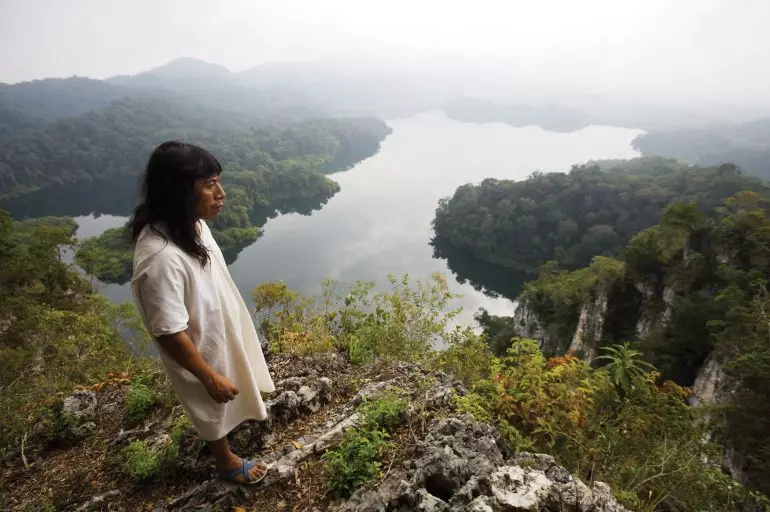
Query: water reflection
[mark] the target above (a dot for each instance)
(113, 196)
(260, 214)
(492, 280)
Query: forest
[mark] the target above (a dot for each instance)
(746, 145)
(115, 140)
(594, 209)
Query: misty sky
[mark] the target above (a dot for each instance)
(675, 48)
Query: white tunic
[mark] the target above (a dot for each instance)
(173, 293)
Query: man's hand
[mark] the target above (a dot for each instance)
(220, 388)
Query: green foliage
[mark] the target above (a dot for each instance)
(116, 139)
(402, 324)
(645, 443)
(54, 334)
(140, 400)
(466, 357)
(570, 218)
(700, 285)
(108, 257)
(557, 296)
(626, 367)
(355, 462)
(141, 462)
(386, 413)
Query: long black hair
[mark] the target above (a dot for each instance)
(167, 206)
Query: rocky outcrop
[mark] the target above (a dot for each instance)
(713, 387)
(464, 466)
(710, 384)
(590, 327)
(283, 462)
(528, 325)
(79, 412)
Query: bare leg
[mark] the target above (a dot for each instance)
(226, 460)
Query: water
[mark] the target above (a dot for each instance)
(380, 222)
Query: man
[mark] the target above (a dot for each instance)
(191, 306)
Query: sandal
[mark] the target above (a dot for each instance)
(244, 471)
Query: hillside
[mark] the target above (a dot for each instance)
(53, 98)
(548, 117)
(116, 140)
(570, 217)
(690, 294)
(746, 145)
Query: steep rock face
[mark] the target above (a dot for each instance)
(710, 384)
(528, 325)
(713, 387)
(464, 466)
(590, 327)
(650, 314)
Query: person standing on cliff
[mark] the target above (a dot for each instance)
(191, 306)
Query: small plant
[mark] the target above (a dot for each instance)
(140, 400)
(181, 427)
(358, 352)
(355, 462)
(140, 461)
(387, 413)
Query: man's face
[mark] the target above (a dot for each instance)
(209, 197)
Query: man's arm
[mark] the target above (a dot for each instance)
(181, 348)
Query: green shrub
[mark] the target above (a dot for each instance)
(387, 413)
(355, 462)
(140, 461)
(642, 438)
(466, 357)
(140, 400)
(359, 353)
(403, 324)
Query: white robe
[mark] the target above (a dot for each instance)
(173, 293)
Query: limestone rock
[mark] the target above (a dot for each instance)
(465, 466)
(79, 411)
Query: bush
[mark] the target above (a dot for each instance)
(140, 401)
(467, 356)
(387, 413)
(141, 462)
(403, 324)
(355, 462)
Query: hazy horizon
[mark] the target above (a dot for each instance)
(689, 52)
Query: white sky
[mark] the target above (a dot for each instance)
(658, 48)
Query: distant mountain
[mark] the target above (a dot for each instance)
(746, 145)
(214, 86)
(548, 117)
(54, 98)
(179, 73)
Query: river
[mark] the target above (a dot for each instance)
(380, 222)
